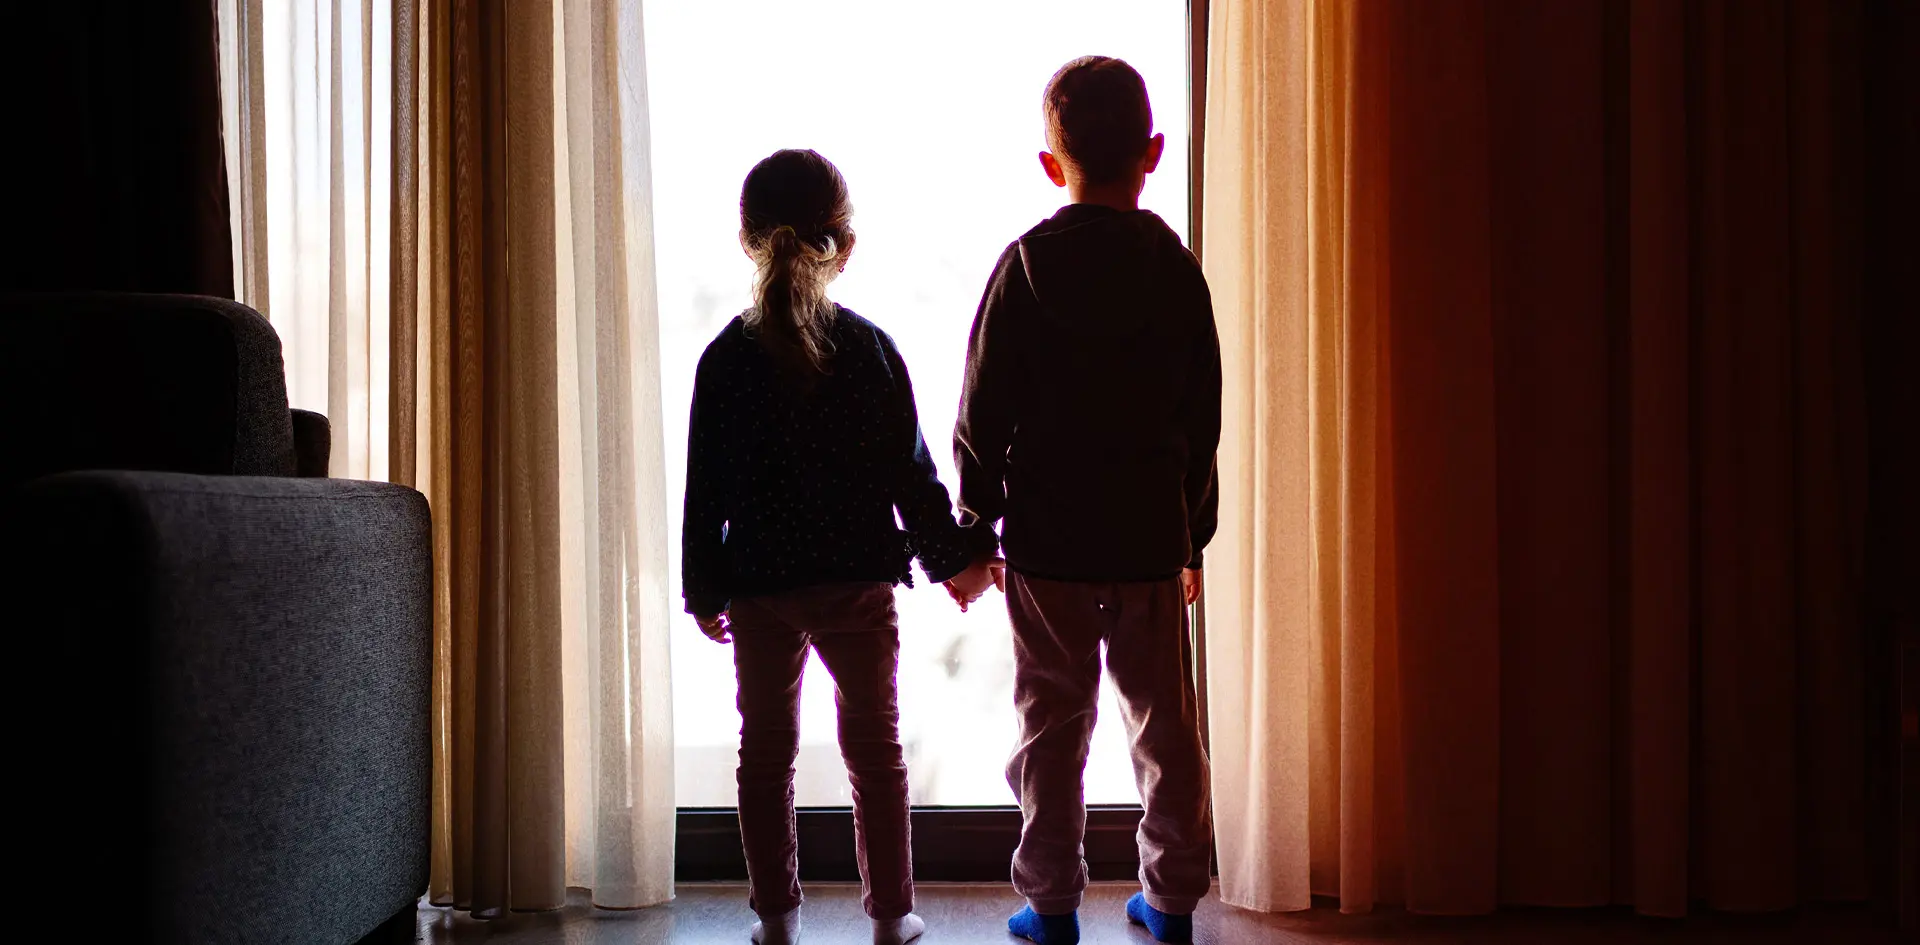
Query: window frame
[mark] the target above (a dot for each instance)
(950, 844)
(975, 843)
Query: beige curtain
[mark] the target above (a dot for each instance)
(1542, 439)
(486, 290)
(1297, 605)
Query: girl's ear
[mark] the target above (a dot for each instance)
(1055, 172)
(1156, 146)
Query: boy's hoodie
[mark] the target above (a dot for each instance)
(1091, 406)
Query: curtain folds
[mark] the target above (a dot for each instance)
(481, 313)
(1544, 415)
(621, 813)
(305, 105)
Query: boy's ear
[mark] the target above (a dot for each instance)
(1156, 146)
(1055, 172)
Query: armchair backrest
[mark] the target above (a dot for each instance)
(176, 383)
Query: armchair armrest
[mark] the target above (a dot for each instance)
(241, 678)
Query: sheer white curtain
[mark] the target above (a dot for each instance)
(620, 816)
(384, 319)
(307, 91)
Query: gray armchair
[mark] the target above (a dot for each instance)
(222, 671)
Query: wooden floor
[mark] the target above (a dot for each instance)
(717, 914)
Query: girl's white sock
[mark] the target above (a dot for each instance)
(778, 930)
(898, 931)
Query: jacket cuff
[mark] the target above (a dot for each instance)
(942, 574)
(977, 542)
(1194, 563)
(982, 541)
(947, 567)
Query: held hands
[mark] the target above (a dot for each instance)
(968, 586)
(717, 627)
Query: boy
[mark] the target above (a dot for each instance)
(1088, 422)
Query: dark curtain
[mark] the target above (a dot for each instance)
(1641, 355)
(1892, 329)
(119, 178)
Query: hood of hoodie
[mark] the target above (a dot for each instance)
(1097, 269)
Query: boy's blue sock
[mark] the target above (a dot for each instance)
(1046, 929)
(1165, 927)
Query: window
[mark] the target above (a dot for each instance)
(932, 110)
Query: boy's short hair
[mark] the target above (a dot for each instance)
(1098, 117)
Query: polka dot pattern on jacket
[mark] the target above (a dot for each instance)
(791, 485)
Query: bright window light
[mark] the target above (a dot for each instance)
(932, 111)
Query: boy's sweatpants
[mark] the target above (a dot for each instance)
(854, 629)
(1058, 627)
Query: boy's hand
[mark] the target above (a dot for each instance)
(717, 627)
(967, 586)
(1190, 584)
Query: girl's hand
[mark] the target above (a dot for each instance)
(968, 586)
(716, 627)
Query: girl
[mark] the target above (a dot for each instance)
(804, 441)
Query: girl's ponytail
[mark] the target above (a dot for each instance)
(795, 221)
(790, 308)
